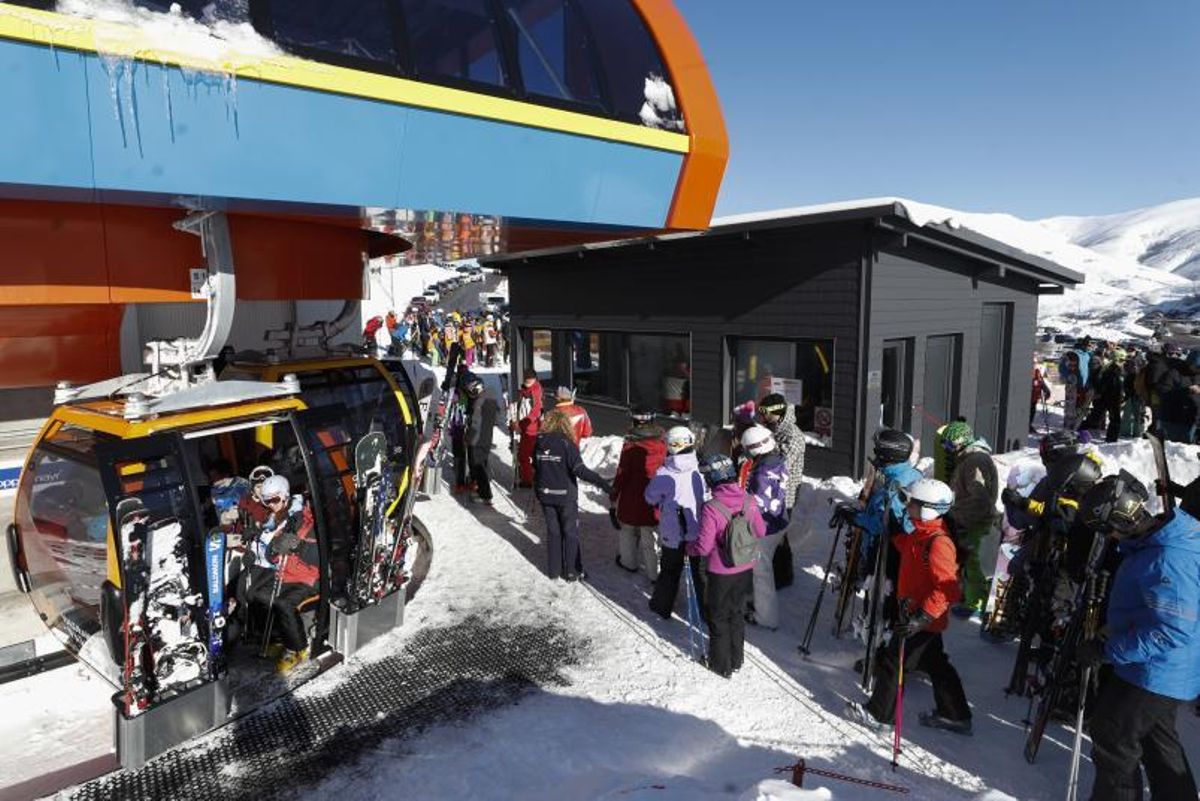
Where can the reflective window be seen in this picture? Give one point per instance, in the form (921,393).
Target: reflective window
(368,399)
(554,51)
(62,514)
(357,29)
(632,65)
(598,365)
(453,39)
(800,370)
(660,373)
(539,353)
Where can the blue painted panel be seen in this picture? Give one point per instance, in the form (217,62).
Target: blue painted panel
(163,129)
(524,172)
(43,125)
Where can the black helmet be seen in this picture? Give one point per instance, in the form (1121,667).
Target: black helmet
(1057,445)
(892,447)
(641,415)
(717,468)
(1073,476)
(1117,504)
(471,384)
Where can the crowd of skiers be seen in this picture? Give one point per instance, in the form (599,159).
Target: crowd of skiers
(1108,389)
(1101,595)
(429,334)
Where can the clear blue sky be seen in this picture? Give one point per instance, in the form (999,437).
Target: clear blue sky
(1034,107)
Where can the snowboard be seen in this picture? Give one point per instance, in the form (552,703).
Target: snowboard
(173,611)
(214,575)
(370,455)
(131,521)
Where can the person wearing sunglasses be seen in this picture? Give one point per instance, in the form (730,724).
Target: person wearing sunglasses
(285,571)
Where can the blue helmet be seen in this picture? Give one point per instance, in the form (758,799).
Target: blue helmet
(717,469)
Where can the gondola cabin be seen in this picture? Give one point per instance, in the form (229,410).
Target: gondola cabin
(146,540)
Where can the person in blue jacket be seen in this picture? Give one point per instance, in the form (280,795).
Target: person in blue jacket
(1153,644)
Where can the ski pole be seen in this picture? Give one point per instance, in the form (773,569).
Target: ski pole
(812,620)
(1077,746)
(899,722)
(271,607)
(690,590)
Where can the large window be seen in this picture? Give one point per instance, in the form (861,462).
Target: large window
(597,365)
(660,372)
(539,353)
(800,370)
(554,50)
(360,30)
(454,39)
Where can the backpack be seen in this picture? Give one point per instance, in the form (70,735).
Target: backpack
(737,546)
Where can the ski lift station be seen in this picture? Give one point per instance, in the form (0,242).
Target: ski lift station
(863,314)
(171,188)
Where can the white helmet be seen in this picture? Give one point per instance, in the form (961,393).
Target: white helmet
(758,440)
(680,438)
(933,496)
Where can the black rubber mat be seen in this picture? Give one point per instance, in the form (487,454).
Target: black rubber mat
(444,675)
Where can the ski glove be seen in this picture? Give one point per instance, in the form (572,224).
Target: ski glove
(913,625)
(1091,653)
(284,543)
(1012,498)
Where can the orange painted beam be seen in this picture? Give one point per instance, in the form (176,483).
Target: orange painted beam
(704,165)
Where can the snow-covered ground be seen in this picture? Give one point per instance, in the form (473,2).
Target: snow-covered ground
(1165,237)
(640,720)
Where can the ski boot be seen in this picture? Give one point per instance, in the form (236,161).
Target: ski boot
(933,720)
(289,659)
(857,713)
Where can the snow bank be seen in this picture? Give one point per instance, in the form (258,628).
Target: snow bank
(393,286)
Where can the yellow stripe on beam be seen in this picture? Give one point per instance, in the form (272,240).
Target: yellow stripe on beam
(125,41)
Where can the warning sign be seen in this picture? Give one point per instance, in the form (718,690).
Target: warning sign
(823,421)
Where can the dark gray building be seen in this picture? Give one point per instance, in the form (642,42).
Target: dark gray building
(860,316)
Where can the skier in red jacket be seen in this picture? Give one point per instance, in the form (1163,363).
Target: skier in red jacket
(926,588)
(643,452)
(526,420)
(564,401)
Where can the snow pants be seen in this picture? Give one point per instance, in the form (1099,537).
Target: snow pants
(562,539)
(766,604)
(286,622)
(525,457)
(1134,729)
(975,584)
(636,544)
(923,651)
(670,573)
(727,595)
(477,458)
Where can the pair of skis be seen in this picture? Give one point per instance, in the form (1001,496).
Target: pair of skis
(697,628)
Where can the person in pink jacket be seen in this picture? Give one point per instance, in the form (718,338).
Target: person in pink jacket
(728,587)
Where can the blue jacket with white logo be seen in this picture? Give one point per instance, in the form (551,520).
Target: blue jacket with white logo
(883,501)
(1154,634)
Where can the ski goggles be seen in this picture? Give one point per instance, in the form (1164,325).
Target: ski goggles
(274,499)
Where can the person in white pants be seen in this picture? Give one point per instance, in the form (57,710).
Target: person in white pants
(642,453)
(767,482)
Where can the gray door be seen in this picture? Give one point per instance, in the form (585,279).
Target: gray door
(940,405)
(991,397)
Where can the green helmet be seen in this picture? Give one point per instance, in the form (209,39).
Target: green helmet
(956,436)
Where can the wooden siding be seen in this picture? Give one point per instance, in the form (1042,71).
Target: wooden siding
(797,283)
(919,291)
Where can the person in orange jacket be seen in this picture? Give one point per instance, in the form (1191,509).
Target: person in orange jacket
(926,588)
(564,401)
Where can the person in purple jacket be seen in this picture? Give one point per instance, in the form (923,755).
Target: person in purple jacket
(676,492)
(767,482)
(727,588)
